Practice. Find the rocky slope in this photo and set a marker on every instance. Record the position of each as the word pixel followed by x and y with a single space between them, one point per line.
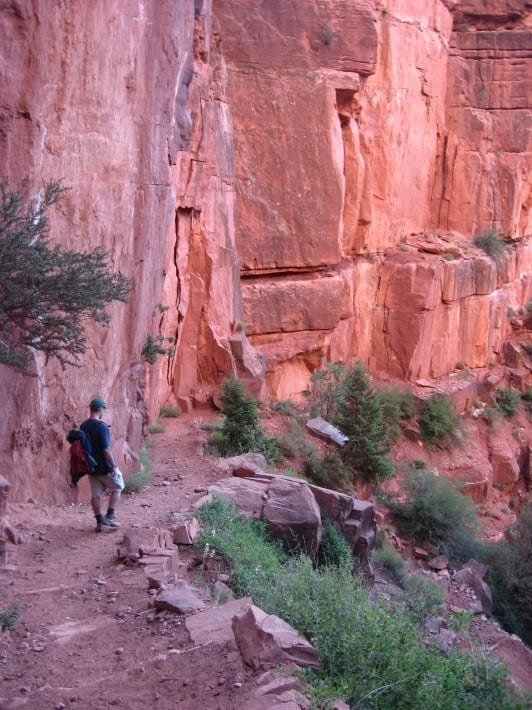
pixel 290 183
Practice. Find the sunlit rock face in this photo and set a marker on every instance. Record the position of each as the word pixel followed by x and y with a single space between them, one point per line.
pixel 283 182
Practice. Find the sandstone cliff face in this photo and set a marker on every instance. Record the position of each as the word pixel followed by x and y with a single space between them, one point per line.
pixel 92 93
pixel 284 183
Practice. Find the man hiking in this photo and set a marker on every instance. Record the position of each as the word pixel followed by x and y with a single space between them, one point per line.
pixel 106 475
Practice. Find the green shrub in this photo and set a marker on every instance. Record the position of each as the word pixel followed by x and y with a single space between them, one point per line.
pixel 156 427
pixel 392 562
pixel 526 396
pixel 438 421
pixel 398 405
pixel 139 479
pixel 293 442
pixel 169 411
pixel 510 577
pixel 508 401
pixel 240 431
pixel 10 616
pixel 370 658
pixel 435 511
pixel 360 417
pixel 334 548
pixel 422 597
pixel 491 242
pixel 289 409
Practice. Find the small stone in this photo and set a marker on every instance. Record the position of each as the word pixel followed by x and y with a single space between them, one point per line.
pixel 221 681
pixel 237 684
pixel 37 647
pixel 119 650
pixel 60 706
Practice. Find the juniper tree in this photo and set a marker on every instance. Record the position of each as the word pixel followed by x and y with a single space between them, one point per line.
pixel 47 294
pixel 360 417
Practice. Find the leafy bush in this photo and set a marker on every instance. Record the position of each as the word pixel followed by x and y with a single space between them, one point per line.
pixel 370 657
pixel 435 511
pixel 293 441
pixel 491 242
pixel 510 577
pixel 508 400
pixel 47 293
pixel 422 597
pixel 10 616
pixel 392 561
pixel 139 479
pixel 334 548
pixel 360 417
pixel 438 421
pixel 398 405
pixel 241 431
pixel 156 427
pixel 169 411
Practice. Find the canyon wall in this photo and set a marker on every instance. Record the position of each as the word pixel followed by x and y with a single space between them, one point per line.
pixel 283 182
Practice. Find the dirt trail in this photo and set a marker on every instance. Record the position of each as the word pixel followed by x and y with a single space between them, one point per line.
pixel 87 636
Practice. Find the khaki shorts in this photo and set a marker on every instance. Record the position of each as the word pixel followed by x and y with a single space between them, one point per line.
pixel 112 482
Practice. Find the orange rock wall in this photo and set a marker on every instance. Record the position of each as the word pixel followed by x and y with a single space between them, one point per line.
pixel 284 182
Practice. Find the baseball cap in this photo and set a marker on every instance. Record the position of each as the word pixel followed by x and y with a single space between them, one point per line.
pixel 97 403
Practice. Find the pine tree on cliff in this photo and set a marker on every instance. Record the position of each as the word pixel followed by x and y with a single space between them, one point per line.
pixel 47 294
pixel 360 417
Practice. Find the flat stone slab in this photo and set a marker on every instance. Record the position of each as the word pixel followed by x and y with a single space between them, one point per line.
pixel 180 599
pixel 214 625
pixel 319 427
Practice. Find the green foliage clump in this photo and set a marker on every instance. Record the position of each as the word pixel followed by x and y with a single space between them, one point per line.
pixel 438 421
pixel 435 511
pixel 10 616
pixel 169 411
pixel 156 427
pixel 293 441
pixel 508 401
pixel 392 562
pixel 371 658
pixel 334 548
pixel 510 577
pixel 241 431
pixel 139 479
pixel 153 347
pixel 47 294
pixel 360 417
pixel 398 405
pixel 490 241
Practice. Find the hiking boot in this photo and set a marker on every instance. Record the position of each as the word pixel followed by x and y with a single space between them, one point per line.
pixel 99 526
pixel 111 521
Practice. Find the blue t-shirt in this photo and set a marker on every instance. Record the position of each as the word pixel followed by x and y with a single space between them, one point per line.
pixel 100 439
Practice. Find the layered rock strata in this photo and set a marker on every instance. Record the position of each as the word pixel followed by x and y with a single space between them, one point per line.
pixel 283 182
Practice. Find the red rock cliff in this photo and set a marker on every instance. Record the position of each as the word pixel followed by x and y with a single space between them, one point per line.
pixel 284 182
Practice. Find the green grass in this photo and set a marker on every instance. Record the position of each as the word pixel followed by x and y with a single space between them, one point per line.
pixel 138 480
pixel 156 427
pixel 371 657
pixel 169 411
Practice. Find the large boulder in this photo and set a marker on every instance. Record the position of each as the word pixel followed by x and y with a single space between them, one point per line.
pixel 266 641
pixel 248 495
pixel 293 516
